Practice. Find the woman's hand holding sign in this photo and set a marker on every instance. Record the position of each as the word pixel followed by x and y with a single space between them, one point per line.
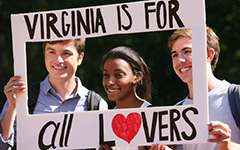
pixel 161 147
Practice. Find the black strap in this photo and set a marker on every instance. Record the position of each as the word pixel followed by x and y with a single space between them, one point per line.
pixel 33 92
pixel 93 100
pixel 234 102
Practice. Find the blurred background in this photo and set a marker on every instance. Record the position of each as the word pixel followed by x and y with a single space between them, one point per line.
pixel 223 16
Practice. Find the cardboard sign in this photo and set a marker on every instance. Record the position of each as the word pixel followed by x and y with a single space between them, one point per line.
pixel 124 127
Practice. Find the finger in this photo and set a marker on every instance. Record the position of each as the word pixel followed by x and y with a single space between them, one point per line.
pixel 152 147
pixel 155 147
pixel 14 78
pixel 14 85
pixel 217 140
pixel 214 140
pixel 215 125
pixel 11 92
pixel 142 147
pixel 159 147
pixel 15 88
pixel 104 147
pixel 220 132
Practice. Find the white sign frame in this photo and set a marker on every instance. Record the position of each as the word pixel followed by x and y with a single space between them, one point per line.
pixel 192 15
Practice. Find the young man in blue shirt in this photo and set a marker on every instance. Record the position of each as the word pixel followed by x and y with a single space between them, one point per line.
pixel 60 91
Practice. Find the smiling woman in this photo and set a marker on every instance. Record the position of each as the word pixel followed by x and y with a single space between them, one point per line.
pixel 126 78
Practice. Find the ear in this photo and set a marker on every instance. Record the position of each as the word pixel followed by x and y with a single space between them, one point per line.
pixel 137 77
pixel 80 58
pixel 210 54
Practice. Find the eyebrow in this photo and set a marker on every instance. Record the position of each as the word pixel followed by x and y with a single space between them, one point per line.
pixel 114 70
pixel 50 48
pixel 172 52
pixel 186 48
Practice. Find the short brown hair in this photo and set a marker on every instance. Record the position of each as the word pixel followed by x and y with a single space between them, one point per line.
pixel 78 43
pixel 212 41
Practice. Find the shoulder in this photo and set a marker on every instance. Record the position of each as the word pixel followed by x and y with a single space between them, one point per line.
pixel 103 105
pixel 220 90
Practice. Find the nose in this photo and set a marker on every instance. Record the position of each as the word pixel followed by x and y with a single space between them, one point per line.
pixel 181 58
pixel 111 81
pixel 60 59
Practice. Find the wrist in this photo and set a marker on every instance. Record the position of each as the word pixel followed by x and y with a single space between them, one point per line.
pixel 225 145
pixel 12 109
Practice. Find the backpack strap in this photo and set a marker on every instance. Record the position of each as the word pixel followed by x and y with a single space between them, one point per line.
pixel 93 100
pixel 33 92
pixel 234 102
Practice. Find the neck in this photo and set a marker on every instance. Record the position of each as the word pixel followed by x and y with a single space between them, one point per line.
pixel 212 83
pixel 64 88
pixel 129 103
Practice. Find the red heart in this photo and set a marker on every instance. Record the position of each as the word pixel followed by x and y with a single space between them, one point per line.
pixel 126 128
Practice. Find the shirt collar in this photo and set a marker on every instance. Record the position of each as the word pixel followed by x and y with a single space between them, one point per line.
pixel 46 86
pixel 81 90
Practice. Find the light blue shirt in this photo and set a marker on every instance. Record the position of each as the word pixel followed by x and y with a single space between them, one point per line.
pixel 50 102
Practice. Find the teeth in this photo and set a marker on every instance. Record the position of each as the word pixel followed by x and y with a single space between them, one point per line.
pixel 184 70
pixel 112 90
pixel 59 68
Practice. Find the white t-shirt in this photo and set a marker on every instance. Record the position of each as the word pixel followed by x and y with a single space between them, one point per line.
pixel 219 110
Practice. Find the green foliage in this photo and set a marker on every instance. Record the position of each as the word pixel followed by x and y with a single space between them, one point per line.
pixel 222 15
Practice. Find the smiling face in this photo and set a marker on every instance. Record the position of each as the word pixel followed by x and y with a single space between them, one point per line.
pixel 118 79
pixel 61 61
pixel 182 59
